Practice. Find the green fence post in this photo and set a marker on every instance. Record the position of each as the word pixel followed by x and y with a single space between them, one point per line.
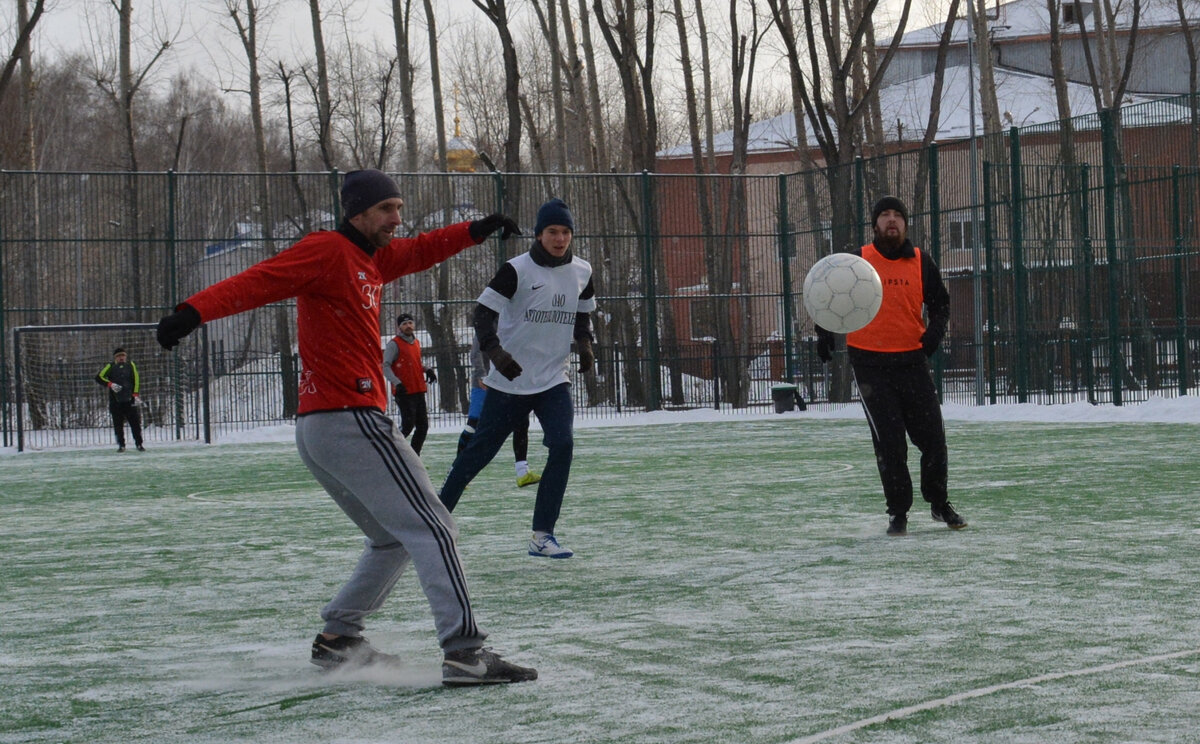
pixel 1018 261
pixel 654 402
pixel 173 297
pixel 785 281
pixel 989 258
pixel 4 383
pixel 860 228
pixel 935 249
pixel 1089 270
pixel 1111 204
pixel 1181 347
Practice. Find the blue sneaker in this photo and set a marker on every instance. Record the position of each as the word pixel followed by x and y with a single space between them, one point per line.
pixel 547 546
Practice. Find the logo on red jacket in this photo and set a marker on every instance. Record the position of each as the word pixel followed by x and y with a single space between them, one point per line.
pixel 364 385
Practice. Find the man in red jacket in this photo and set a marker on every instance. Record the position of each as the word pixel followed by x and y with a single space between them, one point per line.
pixel 352 448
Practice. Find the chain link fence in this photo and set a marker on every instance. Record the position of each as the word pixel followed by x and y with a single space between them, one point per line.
pixel 1068 267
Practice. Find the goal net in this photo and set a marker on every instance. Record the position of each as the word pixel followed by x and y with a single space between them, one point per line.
pixel 60 404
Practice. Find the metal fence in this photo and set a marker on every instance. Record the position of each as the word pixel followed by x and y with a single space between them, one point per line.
pixel 1068 274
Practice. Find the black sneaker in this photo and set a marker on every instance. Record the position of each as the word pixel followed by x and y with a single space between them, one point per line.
pixel 347 652
pixel 897 525
pixel 945 513
pixel 480 666
pixel 141 448
pixel 121 448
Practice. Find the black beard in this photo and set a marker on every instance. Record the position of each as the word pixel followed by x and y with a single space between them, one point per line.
pixel 888 244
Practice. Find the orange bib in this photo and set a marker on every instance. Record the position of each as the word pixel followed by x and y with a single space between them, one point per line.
pixel 898 325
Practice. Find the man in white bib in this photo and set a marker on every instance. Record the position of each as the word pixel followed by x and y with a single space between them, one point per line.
pixel 525 321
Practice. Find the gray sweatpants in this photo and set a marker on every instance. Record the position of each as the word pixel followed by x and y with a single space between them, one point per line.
pixel 359 457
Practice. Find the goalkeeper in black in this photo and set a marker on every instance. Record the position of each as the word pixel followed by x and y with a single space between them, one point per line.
pixel 890 357
pixel 124 386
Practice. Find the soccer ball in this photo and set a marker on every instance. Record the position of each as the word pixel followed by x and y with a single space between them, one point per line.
pixel 842 292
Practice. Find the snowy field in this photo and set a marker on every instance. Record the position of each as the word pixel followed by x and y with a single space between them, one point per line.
pixel 732 583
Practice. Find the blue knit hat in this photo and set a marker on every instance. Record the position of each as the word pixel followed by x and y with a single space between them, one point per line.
pixel 554 212
pixel 363 189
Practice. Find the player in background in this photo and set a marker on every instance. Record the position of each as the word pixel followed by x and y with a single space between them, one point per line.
pixel 409 377
pixel 525 321
pixel 520 437
pixel 124 388
pixel 350 445
pixel 890 357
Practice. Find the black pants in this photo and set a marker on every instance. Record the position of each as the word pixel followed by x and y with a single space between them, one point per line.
pixel 414 418
pixel 901 402
pixel 122 412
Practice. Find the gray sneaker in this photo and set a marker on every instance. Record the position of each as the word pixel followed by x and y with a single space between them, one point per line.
pixel 481 666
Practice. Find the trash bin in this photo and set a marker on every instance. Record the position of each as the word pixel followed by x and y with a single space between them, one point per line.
pixel 784 395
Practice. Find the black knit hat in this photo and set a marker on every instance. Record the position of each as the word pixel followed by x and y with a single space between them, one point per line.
pixel 363 189
pixel 554 212
pixel 118 350
pixel 402 317
pixel 888 202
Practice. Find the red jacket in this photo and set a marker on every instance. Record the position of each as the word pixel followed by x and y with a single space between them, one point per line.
pixel 337 286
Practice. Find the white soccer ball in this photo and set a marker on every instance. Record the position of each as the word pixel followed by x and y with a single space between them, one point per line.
pixel 842 292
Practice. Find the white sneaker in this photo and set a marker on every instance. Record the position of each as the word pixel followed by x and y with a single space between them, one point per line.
pixel 547 546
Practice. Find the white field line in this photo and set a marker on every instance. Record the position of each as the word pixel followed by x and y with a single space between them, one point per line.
pixel 980 692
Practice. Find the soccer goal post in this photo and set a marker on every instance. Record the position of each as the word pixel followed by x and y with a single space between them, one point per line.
pixel 59 402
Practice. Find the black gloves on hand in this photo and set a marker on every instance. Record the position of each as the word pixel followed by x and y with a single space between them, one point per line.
pixel 931 339
pixel 587 357
pixel 400 389
pixel 929 343
pixel 824 345
pixel 178 324
pixel 503 362
pixel 430 375
pixel 480 229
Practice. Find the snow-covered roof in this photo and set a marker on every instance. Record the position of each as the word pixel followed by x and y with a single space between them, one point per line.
pixel 1025 100
pixel 1029 18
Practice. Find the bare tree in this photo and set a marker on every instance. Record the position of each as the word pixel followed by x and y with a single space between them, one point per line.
pixel 496 11
pixel 406 79
pixel 320 88
pixel 935 107
pixel 26 22
pixel 834 110
pixel 631 42
pixel 435 81
pixel 245 17
pixel 122 83
pixel 1109 79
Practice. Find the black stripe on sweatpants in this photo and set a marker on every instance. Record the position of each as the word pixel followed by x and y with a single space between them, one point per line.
pixel 378 433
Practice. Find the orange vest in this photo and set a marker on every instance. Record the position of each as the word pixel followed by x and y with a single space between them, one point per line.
pixel 408 367
pixel 898 325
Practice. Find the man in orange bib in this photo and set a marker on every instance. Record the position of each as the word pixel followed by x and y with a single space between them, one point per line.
pixel 890 357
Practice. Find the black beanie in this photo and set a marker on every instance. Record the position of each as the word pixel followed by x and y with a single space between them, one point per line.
pixel 888 202
pixel 554 212
pixel 403 317
pixel 363 189
pixel 118 350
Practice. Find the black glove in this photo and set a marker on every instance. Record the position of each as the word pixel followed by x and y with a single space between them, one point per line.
pixel 503 362
pixel 587 357
pixel 400 390
pixel 929 343
pixel 430 375
pixel 824 345
pixel 178 324
pixel 480 229
pixel 931 339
